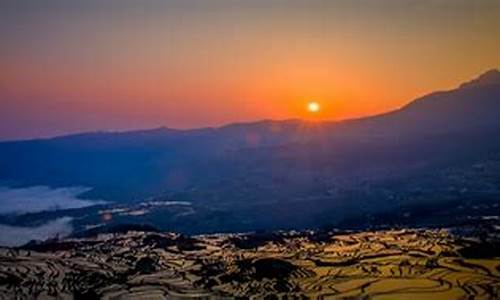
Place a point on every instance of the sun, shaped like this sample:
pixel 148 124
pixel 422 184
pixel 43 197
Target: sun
pixel 313 106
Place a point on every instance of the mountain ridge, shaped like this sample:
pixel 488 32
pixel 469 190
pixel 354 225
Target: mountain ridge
pixel 307 172
pixel 488 79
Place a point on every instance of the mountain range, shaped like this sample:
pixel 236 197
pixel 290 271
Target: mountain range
pixel 292 173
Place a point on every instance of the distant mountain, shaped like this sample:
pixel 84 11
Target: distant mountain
pixel 473 104
pixel 491 77
pixel 298 170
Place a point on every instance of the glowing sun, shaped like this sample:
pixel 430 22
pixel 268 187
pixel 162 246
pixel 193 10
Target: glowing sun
pixel 313 107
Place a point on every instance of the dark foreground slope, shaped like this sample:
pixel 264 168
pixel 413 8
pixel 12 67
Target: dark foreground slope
pixel 404 264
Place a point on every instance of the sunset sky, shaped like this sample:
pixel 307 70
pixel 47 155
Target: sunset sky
pixel 71 66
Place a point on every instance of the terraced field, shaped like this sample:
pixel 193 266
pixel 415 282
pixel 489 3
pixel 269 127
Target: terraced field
pixel 407 264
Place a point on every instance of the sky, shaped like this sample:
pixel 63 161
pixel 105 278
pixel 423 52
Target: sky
pixel 71 66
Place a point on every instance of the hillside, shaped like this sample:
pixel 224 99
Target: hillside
pixel 416 264
pixel 305 174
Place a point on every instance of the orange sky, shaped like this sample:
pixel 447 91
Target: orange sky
pixel 118 65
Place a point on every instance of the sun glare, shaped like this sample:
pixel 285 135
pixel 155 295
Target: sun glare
pixel 313 106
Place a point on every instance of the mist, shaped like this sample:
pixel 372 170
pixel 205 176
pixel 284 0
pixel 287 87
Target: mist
pixel 42 198
pixel 13 236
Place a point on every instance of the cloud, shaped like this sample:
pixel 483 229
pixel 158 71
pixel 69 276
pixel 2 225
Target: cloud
pixel 13 236
pixel 42 198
